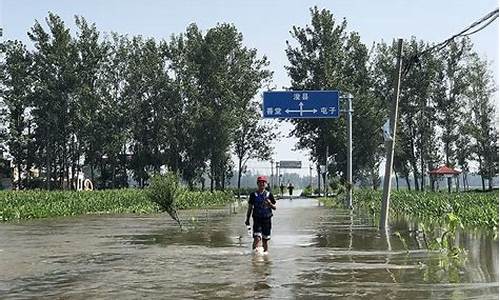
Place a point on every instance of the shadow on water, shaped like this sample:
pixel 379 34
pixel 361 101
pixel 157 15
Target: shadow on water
pixel 315 252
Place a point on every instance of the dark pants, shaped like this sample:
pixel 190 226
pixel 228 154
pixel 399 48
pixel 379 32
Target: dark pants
pixel 262 228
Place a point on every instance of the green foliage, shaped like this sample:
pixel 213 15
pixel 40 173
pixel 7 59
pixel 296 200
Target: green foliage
pixel 187 199
pixel 43 204
pixel 480 127
pixel 131 103
pixel 163 195
pixel 162 191
pixel 475 210
pixel 176 103
pixel 252 140
pixel 329 57
pixel 307 191
pixel 331 202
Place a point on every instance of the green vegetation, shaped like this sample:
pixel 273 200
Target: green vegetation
pixel 43 204
pixel 162 191
pixel 439 216
pixel 437 93
pixel 161 196
pixel 474 210
pixel 131 104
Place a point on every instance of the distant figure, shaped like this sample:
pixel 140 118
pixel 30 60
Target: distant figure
pixel 282 188
pixel 290 189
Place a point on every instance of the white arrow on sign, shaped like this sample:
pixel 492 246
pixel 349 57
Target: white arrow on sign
pixel 301 111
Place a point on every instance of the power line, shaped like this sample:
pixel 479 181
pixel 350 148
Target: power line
pixel 487 19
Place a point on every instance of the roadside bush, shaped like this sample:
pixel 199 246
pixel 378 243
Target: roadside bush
pixel 162 191
pixel 307 192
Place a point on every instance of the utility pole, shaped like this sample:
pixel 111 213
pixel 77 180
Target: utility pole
pixel 389 143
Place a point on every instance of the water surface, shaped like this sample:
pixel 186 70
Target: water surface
pixel 315 253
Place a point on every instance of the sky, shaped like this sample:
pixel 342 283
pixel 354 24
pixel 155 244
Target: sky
pixel 266 26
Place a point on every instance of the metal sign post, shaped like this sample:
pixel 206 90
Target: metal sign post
pixel 349 150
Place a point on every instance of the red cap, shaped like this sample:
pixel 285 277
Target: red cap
pixel 262 178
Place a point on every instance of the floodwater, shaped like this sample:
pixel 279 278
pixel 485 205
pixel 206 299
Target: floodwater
pixel 315 253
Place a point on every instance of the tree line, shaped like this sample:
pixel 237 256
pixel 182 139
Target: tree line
pixel 118 104
pixel 446 110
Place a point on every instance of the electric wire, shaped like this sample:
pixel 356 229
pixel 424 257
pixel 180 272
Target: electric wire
pixel 489 18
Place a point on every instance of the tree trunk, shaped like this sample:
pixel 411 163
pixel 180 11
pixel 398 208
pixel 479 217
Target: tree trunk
pixel 73 168
pixel 319 179
pixel 18 181
pixel 223 178
pixel 422 164
pixel 422 175
pixel 28 159
pixel 113 175
pixel 397 181
pixel 211 179
pixel 413 162
pixel 68 185
pixel 415 176
pixel 463 179
pixel 48 166
pixel 407 178
pixel 239 177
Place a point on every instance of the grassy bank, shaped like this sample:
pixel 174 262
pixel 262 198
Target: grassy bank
pixel 474 210
pixel 42 204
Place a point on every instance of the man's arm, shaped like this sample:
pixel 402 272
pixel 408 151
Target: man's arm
pixel 249 213
pixel 249 210
pixel 271 202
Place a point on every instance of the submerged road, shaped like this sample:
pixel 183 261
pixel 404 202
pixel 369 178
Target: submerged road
pixel 315 253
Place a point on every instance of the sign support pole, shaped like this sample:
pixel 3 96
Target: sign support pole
pixel 326 171
pixel 349 151
pixel 349 112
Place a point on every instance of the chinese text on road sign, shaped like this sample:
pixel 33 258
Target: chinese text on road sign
pixel 301 104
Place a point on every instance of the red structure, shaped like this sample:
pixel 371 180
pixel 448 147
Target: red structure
pixel 446 172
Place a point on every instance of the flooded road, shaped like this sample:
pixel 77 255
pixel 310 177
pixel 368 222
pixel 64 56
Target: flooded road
pixel 315 253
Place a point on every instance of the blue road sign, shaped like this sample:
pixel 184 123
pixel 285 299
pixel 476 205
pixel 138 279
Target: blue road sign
pixel 301 104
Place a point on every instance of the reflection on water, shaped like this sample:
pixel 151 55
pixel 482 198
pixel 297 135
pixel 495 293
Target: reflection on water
pixel 315 252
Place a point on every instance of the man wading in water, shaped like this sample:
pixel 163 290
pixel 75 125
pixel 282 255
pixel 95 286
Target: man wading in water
pixel 260 206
